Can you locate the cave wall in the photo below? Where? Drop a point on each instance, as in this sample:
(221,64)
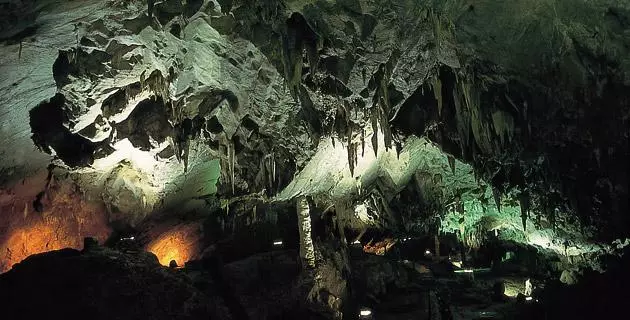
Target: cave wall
(38,216)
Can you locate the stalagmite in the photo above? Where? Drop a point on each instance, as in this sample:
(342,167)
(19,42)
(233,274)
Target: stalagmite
(374,120)
(307,251)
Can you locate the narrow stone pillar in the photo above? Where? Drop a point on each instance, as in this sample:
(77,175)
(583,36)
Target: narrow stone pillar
(307,251)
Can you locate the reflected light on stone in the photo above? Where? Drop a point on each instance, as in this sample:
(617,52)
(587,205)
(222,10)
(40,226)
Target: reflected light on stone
(179,244)
(65,220)
(361,211)
(48,234)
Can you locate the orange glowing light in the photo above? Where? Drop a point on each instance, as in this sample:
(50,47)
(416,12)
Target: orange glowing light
(65,221)
(178,243)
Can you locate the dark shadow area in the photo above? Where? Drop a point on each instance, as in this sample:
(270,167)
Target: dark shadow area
(148,121)
(50,135)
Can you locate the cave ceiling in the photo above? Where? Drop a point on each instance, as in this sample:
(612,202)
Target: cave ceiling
(239,97)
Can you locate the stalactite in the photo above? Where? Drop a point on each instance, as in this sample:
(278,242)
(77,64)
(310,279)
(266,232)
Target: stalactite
(451,163)
(269,172)
(497,197)
(185,155)
(176,150)
(524,203)
(362,142)
(374,120)
(350,158)
(437,93)
(463,121)
(598,157)
(273,160)
(350,146)
(231,160)
(356,157)
(460,206)
(387,133)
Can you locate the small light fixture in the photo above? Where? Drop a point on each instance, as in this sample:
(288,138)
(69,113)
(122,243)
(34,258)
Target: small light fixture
(529,298)
(364,313)
(464,271)
(356,242)
(427,252)
(277,243)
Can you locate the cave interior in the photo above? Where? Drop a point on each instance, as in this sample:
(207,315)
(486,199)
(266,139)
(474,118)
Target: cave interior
(310,159)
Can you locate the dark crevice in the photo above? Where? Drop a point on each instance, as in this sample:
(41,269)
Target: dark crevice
(50,135)
(148,120)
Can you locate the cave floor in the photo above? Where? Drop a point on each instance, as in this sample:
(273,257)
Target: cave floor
(431,290)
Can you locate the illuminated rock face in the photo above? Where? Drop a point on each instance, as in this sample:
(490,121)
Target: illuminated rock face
(65,220)
(180,243)
(180,103)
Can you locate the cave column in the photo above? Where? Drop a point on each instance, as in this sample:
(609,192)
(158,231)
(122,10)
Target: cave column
(307,251)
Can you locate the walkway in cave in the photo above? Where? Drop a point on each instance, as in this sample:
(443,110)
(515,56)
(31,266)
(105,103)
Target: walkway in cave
(433,289)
